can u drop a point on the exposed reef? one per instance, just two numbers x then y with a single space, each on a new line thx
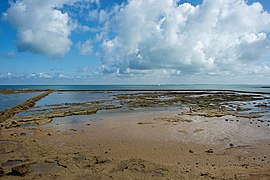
22 107
208 104
205 103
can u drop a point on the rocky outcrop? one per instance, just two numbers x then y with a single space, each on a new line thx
22 107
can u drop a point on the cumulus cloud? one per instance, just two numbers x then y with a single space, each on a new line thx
182 39
85 48
41 27
40 75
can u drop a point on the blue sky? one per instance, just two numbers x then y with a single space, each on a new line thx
134 42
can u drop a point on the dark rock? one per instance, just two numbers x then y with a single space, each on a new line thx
231 145
23 134
204 174
20 170
191 151
1 171
210 151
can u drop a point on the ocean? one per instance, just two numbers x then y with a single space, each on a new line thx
236 87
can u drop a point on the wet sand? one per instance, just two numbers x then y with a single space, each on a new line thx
139 145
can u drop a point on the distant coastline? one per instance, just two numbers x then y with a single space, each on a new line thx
181 87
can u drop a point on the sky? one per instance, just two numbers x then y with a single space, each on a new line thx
134 41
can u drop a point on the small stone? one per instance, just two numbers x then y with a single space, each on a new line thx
191 151
14 122
231 145
210 151
204 174
23 134
20 170
106 152
49 160
14 134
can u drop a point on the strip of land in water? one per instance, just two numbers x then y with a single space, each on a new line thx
142 135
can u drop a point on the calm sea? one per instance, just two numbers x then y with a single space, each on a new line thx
238 87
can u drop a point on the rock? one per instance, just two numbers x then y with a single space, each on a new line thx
204 174
191 151
14 122
14 134
210 151
1 171
20 170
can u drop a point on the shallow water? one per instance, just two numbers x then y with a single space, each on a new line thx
77 97
12 162
10 100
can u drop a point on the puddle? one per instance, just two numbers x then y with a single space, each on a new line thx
12 163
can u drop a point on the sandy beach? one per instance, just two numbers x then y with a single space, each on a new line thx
153 143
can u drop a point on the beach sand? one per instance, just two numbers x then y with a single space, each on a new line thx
157 144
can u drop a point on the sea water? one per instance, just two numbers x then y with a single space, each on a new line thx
237 87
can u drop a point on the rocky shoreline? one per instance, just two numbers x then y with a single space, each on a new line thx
209 135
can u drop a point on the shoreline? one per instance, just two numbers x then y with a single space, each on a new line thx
208 135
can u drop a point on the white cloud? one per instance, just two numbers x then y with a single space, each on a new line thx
41 27
85 48
83 70
183 39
